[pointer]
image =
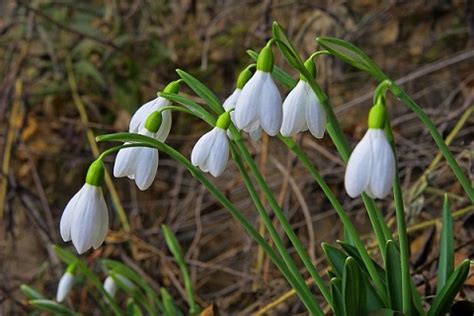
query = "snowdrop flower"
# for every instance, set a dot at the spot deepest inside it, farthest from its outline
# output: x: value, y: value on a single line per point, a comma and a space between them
x: 111, y: 286
x: 371, y: 167
x: 140, y: 163
x: 259, y: 103
x: 302, y: 109
x: 211, y: 151
x: 137, y: 123
x: 65, y: 283
x: 85, y: 219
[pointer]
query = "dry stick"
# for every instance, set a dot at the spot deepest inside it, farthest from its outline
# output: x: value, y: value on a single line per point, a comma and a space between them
x: 12, y: 127
x: 414, y: 228
x: 95, y: 149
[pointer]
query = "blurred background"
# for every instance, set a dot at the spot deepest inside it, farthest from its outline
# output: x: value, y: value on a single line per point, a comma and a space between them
x: 70, y: 70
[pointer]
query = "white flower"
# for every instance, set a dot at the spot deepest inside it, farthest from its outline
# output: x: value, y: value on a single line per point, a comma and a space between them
x: 371, y: 167
x: 110, y: 285
x: 137, y: 123
x: 211, y: 152
x: 301, y: 111
x: 65, y: 285
x: 229, y: 103
x: 85, y: 219
x: 138, y: 163
x: 259, y: 105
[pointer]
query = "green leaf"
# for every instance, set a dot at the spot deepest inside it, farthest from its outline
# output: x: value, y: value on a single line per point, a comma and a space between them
x: 353, y: 289
x: 384, y: 312
x: 51, y: 306
x: 351, y: 55
x: 337, y: 299
x: 133, y: 309
x: 443, y: 301
x: 394, y: 276
x: 287, y: 48
x: 30, y: 293
x: 446, y: 250
x: 353, y: 252
x: 201, y: 90
x: 336, y: 258
x: 192, y: 106
x: 170, y: 308
x: 279, y: 74
x: 65, y: 255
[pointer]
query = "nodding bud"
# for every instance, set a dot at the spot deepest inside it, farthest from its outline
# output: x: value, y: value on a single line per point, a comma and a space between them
x: 95, y: 174
x: 223, y: 121
x: 172, y: 87
x: 153, y: 122
x: 265, y: 59
x: 377, y: 116
x: 311, y: 67
x: 243, y: 77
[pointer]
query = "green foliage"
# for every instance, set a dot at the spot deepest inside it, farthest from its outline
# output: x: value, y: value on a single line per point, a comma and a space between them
x: 446, y: 248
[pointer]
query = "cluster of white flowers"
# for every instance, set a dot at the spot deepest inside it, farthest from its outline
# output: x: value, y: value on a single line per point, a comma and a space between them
x: 255, y: 105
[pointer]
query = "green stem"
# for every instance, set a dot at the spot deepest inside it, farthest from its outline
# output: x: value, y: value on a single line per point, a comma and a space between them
x: 465, y: 183
x: 195, y: 172
x: 303, y: 254
x: 402, y: 230
x: 342, y: 215
x: 300, y: 286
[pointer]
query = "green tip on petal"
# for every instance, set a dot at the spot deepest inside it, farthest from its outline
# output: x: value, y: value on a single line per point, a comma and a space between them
x: 153, y: 122
x: 265, y: 59
x: 172, y: 87
x: 377, y: 116
x: 311, y: 67
x: 223, y: 121
x: 95, y: 174
x: 71, y: 268
x: 244, y: 76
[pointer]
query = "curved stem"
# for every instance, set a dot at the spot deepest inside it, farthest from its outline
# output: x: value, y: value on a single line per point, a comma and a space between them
x: 465, y: 183
x: 112, y: 150
x: 303, y: 254
x: 195, y: 172
x: 342, y: 215
x: 300, y: 286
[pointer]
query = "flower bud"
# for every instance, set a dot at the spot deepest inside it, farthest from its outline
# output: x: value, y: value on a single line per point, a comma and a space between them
x: 153, y: 122
x: 95, y: 174
x: 243, y: 77
x: 265, y: 59
x: 172, y: 87
x: 311, y: 67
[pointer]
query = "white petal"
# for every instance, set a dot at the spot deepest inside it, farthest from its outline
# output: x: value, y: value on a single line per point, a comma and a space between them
x: 294, y: 111
x: 202, y: 148
x: 246, y: 108
x: 147, y: 165
x: 315, y: 114
x: 85, y: 226
x: 64, y: 286
x: 110, y: 286
x: 103, y: 224
x: 256, y: 134
x: 383, y: 165
x: 270, y: 110
x: 358, y: 168
x: 230, y: 102
x: 165, y: 128
x: 140, y: 115
x: 125, y: 162
x: 219, y: 154
x: 68, y: 214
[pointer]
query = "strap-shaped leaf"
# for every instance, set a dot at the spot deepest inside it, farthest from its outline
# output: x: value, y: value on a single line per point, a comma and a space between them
x: 351, y: 54
x: 279, y: 74
x: 30, y: 293
x: 393, y: 276
x: 201, y: 90
x: 336, y: 258
x: 51, y: 306
x: 192, y: 106
x: 353, y: 289
x: 337, y: 299
x: 446, y: 249
x: 443, y: 301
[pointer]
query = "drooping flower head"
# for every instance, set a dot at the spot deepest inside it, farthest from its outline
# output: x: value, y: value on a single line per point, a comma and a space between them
x: 141, y: 163
x: 211, y: 151
x: 259, y: 103
x: 137, y: 123
x: 85, y: 219
x: 65, y: 283
x: 371, y: 167
x: 302, y: 109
